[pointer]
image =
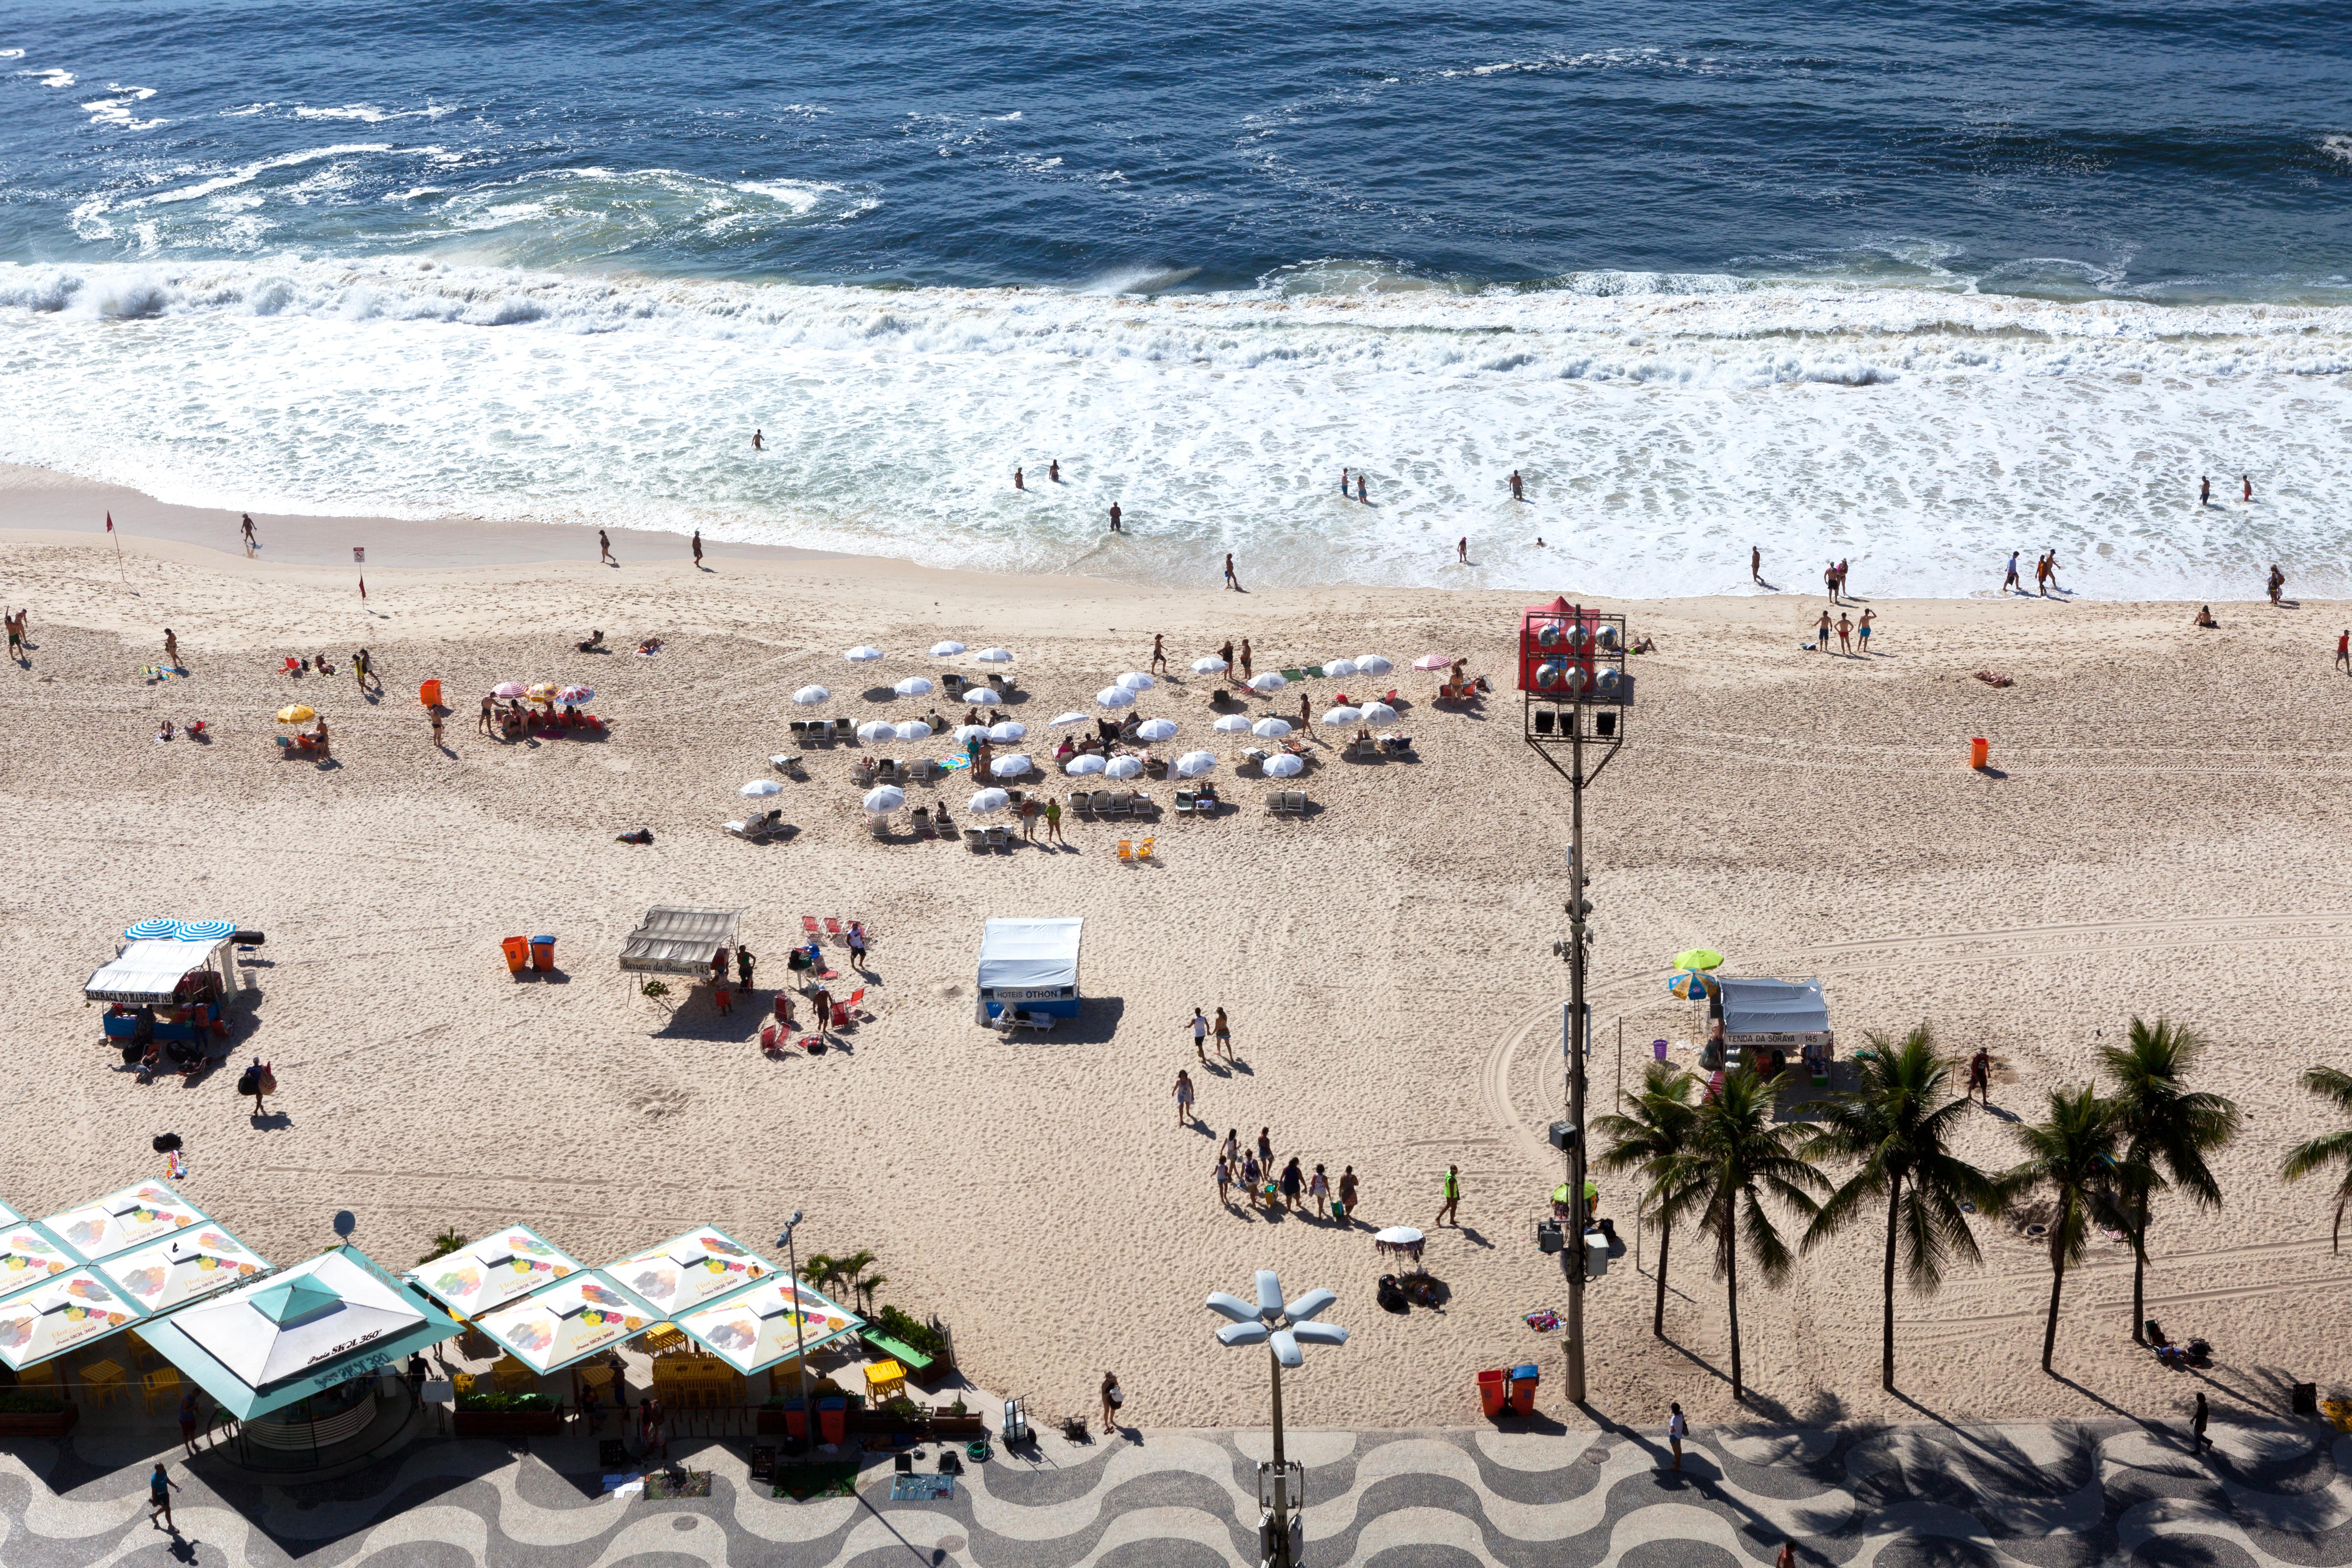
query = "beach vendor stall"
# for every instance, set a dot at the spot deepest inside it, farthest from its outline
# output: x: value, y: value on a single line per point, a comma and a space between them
x: 677, y: 939
x: 484, y: 1275
x: 139, y: 1214
x: 567, y: 1321
x: 1031, y: 966
x: 59, y: 1313
x: 768, y: 1323
x: 168, y: 985
x: 1770, y: 1020
x: 690, y: 1270
x: 299, y: 1357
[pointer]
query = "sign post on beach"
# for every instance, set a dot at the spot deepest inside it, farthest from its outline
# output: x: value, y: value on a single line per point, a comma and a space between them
x: 359, y: 558
x: 117, y: 550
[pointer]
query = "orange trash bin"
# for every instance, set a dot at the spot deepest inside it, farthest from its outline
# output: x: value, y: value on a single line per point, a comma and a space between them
x: 1494, y: 1391
x: 517, y: 951
x: 1980, y: 752
x: 429, y: 694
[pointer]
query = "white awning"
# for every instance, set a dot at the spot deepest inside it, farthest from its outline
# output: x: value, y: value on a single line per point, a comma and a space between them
x: 675, y: 940
x: 1029, y: 955
x: 147, y: 972
x: 1773, y: 1011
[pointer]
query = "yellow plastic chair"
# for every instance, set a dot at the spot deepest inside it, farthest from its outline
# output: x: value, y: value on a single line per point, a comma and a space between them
x: 159, y: 1387
x: 662, y: 1339
x: 1143, y: 850
x: 143, y: 1354
x: 102, y: 1384
x: 885, y: 1380
x: 513, y: 1376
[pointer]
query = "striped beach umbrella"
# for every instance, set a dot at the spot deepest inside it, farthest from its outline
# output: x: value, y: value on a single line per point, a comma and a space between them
x: 205, y: 930
x: 158, y: 930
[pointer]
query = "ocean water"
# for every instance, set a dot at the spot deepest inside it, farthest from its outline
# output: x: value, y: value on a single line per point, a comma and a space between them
x: 1912, y: 285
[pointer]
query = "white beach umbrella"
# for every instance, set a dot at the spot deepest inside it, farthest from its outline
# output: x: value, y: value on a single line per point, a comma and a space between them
x: 1123, y: 768
x: 1136, y: 680
x: 1010, y: 767
x: 1156, y: 730
x: 810, y: 696
x: 1267, y: 682
x: 914, y: 730
x: 1192, y: 764
x: 993, y: 656
x: 987, y: 801
x: 1379, y: 713
x: 861, y: 654
x: 967, y: 734
x: 1272, y: 729
x: 759, y: 788
x: 1432, y: 661
x: 1232, y: 723
x: 946, y: 650
x: 884, y: 798
x: 1115, y: 697
x: 1373, y: 664
x: 1343, y: 715
x: 983, y: 697
x: 1212, y: 665
x: 1284, y: 766
x: 914, y: 686
x: 1338, y: 668
x: 1082, y: 764
x: 875, y: 729
x: 1072, y: 719
x: 1009, y: 729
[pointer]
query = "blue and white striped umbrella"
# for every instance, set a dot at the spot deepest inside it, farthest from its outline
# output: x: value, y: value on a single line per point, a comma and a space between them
x: 205, y: 931
x: 156, y: 929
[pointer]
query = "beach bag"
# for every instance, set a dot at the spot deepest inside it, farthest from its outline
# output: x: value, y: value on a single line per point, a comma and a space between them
x: 265, y: 1081
x: 1390, y: 1294
x: 248, y: 1083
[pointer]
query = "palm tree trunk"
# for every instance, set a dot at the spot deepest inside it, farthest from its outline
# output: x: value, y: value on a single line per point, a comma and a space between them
x: 1886, y: 1334
x: 1658, y: 1313
x: 2139, y: 1269
x: 1731, y: 1289
x: 2057, y: 1283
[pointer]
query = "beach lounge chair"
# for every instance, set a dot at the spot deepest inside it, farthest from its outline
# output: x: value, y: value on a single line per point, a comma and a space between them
x: 877, y: 826
x: 1183, y: 803
x: 1107, y: 805
x: 973, y: 839
x: 1126, y: 851
x: 1082, y: 803
x: 799, y: 726
x: 920, y: 771
x: 999, y: 838
x: 754, y: 833
x: 1315, y: 672
x: 1294, y: 675
x: 923, y: 823
x: 885, y: 770
x: 1014, y: 1018
x: 833, y: 927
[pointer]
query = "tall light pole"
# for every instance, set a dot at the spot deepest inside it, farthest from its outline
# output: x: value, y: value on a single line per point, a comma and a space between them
x: 1282, y: 1329
x: 1572, y: 672
x: 800, y: 1337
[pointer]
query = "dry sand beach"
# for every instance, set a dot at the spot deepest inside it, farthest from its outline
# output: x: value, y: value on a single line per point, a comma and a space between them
x: 2162, y: 836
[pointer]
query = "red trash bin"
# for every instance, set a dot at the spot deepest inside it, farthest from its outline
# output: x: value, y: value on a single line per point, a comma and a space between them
x: 543, y: 953
x: 1494, y: 1391
x: 517, y: 951
x: 832, y: 1419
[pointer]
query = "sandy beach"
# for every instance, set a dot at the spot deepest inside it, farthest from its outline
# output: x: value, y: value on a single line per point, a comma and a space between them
x: 2160, y: 836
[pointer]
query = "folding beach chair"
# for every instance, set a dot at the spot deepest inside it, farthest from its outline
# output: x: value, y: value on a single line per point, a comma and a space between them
x: 832, y: 926
x: 808, y: 925
x: 1143, y: 850
x: 1126, y: 851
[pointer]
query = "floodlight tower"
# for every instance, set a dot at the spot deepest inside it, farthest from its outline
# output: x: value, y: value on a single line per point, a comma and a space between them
x: 1576, y: 690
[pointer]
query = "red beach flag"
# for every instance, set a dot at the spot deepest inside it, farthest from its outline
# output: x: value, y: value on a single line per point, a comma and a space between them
x: 109, y: 522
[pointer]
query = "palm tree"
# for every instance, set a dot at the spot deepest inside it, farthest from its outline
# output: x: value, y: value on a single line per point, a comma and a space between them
x: 2077, y: 1156
x: 1898, y: 1123
x: 865, y: 1285
x: 1647, y: 1141
x: 2166, y: 1126
x: 2335, y: 1086
x: 1737, y: 1154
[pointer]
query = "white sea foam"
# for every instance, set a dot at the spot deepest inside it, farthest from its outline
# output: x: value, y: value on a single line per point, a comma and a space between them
x: 1665, y: 424
x: 51, y: 76
x: 2337, y: 147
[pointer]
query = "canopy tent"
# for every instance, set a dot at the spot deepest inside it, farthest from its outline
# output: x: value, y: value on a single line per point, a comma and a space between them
x: 8, y: 1216
x: 145, y: 1212
x: 1032, y: 963
x: 27, y: 1257
x: 484, y: 1275
x: 567, y: 1321
x: 63, y: 1312
x: 676, y: 939
x: 771, y: 1321
x: 186, y: 1266
x: 274, y: 1341
x: 690, y: 1270
x: 1773, y: 1011
x: 147, y: 972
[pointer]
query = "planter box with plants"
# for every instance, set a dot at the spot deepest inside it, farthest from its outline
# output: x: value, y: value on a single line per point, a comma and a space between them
x: 25, y: 1415
x: 507, y: 1416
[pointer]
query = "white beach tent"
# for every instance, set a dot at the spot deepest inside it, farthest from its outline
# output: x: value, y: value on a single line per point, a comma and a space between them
x: 147, y: 973
x: 1032, y: 964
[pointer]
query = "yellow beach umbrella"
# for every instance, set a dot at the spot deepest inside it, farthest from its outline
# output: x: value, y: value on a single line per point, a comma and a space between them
x: 297, y: 714
x: 543, y: 692
x: 1698, y: 958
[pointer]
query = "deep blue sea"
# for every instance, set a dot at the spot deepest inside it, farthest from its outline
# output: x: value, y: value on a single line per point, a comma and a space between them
x: 1910, y: 284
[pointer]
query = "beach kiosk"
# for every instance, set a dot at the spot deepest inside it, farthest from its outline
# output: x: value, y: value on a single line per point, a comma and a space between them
x: 1031, y: 965
x: 679, y: 939
x: 185, y: 969
x: 1790, y: 1017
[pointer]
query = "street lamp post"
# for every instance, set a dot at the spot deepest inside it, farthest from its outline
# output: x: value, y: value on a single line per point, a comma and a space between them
x: 1572, y: 672
x: 800, y: 1338
x: 1282, y: 1329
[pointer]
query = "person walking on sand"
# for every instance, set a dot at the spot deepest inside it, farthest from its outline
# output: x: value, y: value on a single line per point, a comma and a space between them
x: 159, y: 1488
x: 1114, y: 515
x: 2343, y: 650
x: 1159, y: 653
x: 605, y: 549
x: 1821, y: 633
x: 1266, y: 1151
x: 1231, y: 580
x: 1756, y: 565
x: 1452, y: 1189
x: 2197, y: 1424
x: 1980, y: 1076
x: 1678, y: 1429
x: 1054, y: 822
x: 16, y: 621
x: 490, y: 709
x: 1224, y: 1034
x: 1233, y: 1149
x: 245, y: 526
x: 2008, y: 583
x: 434, y: 714
x: 2277, y: 584
x: 172, y: 643
x: 1828, y: 580
x: 1183, y: 1098
x: 1245, y: 658
x: 1199, y: 1035
x: 1861, y: 630
x: 1318, y: 1187
x: 1225, y: 1174
x: 1293, y: 1184
x: 1845, y: 635
x: 1347, y: 1194
x: 1113, y: 1396
x: 1518, y: 490
x: 1843, y: 592
x: 697, y: 548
